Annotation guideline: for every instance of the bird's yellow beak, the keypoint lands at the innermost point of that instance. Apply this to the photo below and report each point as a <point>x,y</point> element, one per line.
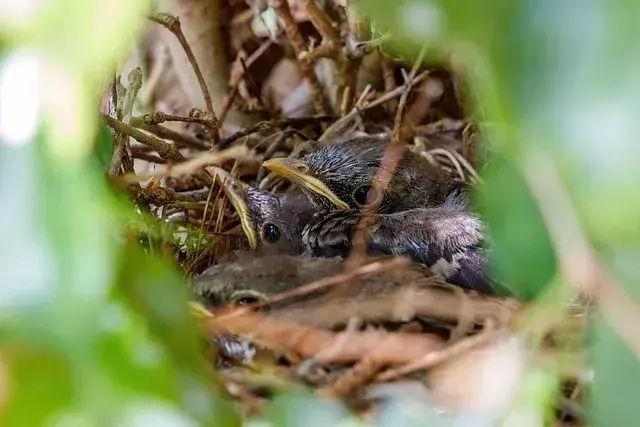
<point>297,171</point>
<point>233,189</point>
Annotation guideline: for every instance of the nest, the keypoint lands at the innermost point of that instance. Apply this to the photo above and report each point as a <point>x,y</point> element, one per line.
<point>446,342</point>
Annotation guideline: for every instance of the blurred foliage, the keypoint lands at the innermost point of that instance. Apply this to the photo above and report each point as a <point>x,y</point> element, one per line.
<point>300,407</point>
<point>96,332</point>
<point>522,255</point>
<point>103,147</point>
<point>556,78</point>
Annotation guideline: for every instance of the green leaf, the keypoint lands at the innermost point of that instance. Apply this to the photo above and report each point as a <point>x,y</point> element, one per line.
<point>614,399</point>
<point>301,408</point>
<point>522,255</point>
<point>103,148</point>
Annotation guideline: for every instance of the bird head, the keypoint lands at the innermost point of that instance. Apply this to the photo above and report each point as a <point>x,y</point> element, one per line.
<point>269,221</point>
<point>340,175</point>
<point>335,175</point>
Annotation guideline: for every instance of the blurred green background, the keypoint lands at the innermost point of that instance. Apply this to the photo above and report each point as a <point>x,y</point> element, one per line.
<point>92,331</point>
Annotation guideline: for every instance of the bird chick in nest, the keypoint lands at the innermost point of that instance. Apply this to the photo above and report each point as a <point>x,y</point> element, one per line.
<point>422,214</point>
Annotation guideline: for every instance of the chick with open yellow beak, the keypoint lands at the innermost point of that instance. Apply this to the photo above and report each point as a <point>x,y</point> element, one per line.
<point>298,172</point>
<point>236,192</point>
<point>271,222</point>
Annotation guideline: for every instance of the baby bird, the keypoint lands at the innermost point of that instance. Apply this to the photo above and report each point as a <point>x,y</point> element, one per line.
<point>422,214</point>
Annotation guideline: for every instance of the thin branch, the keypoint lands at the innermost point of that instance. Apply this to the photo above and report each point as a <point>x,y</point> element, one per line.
<point>436,357</point>
<point>273,124</point>
<point>180,139</point>
<point>124,108</point>
<point>325,346</point>
<point>164,150</point>
<point>383,175</point>
<point>172,24</point>
<point>297,42</point>
<point>403,303</point>
<point>322,23</point>
<point>192,166</point>
<point>160,117</point>
<point>236,77</point>
<point>337,127</point>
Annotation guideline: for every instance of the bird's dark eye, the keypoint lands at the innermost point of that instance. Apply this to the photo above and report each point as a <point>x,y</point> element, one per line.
<point>270,232</point>
<point>360,195</point>
<point>246,297</point>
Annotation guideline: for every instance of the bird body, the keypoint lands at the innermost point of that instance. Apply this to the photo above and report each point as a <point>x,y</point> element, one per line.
<point>251,278</point>
<point>422,214</point>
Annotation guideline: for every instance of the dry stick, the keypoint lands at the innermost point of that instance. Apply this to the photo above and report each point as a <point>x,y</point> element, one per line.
<point>379,347</point>
<point>383,175</point>
<point>344,121</point>
<point>119,151</point>
<point>579,266</point>
<point>458,160</point>
<point>322,23</point>
<point>357,376</point>
<point>347,69</point>
<point>431,359</point>
<point>148,157</point>
<point>430,155</point>
<point>166,133</point>
<point>297,42</point>
<point>165,150</point>
<point>236,78</point>
<point>193,165</point>
<point>402,304</point>
<point>389,79</point>
<point>324,50</point>
<point>266,125</point>
<point>160,117</point>
<point>172,24</point>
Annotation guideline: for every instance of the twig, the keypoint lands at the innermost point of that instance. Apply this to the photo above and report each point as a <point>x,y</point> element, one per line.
<point>172,24</point>
<point>180,139</point>
<point>379,347</point>
<point>165,150</point>
<point>274,124</point>
<point>431,359</point>
<point>148,157</point>
<point>191,166</point>
<point>124,109</point>
<point>297,42</point>
<point>324,50</point>
<point>401,305</point>
<point>355,377</point>
<point>160,117</point>
<point>383,175</point>
<point>389,79</point>
<point>347,67</point>
<point>430,155</point>
<point>337,127</point>
<point>236,77</point>
<point>322,23</point>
